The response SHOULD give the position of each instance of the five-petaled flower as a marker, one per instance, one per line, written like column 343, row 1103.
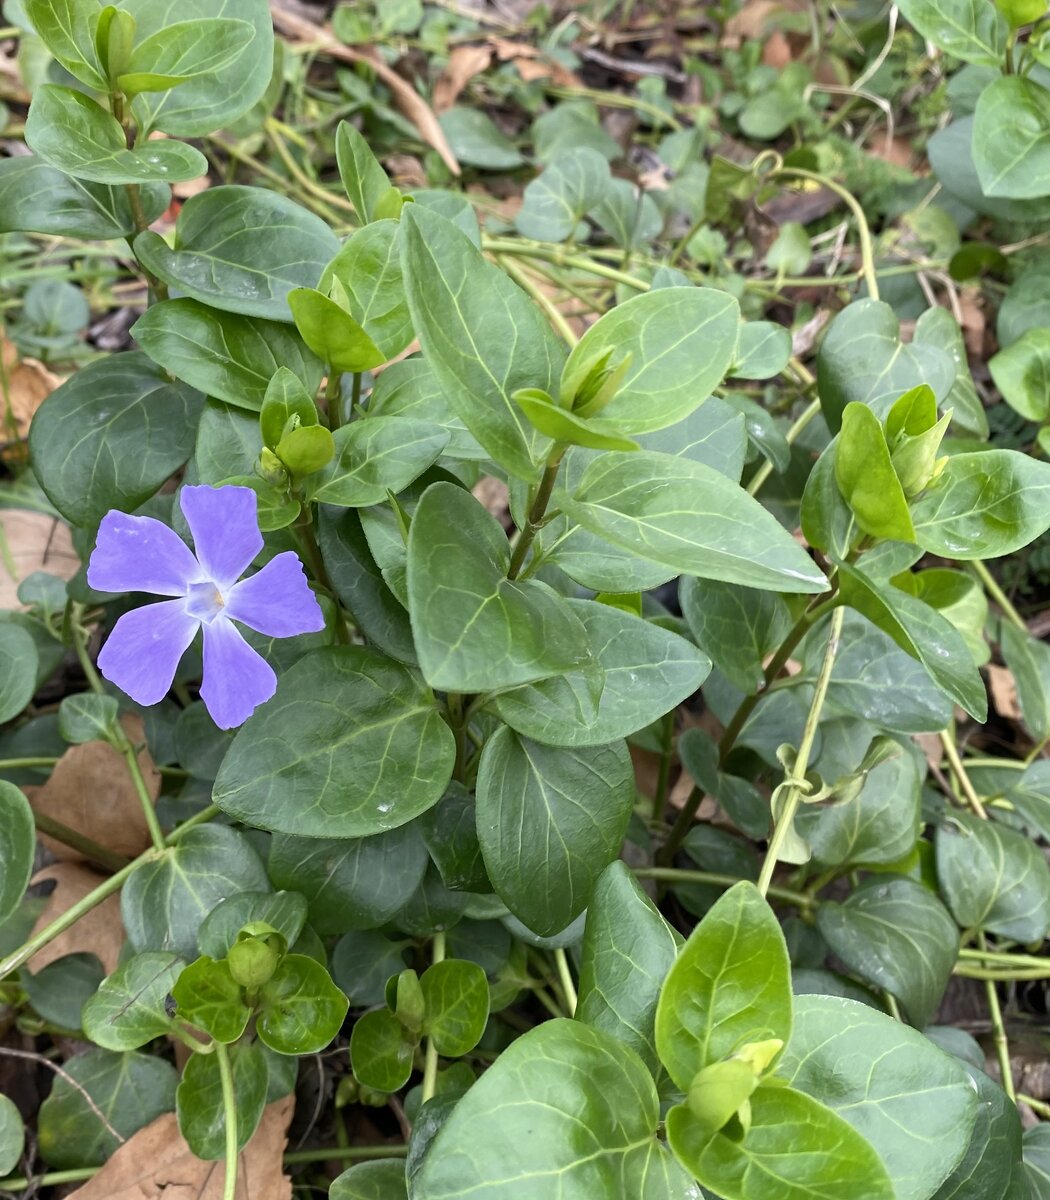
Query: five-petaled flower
column 140, row 554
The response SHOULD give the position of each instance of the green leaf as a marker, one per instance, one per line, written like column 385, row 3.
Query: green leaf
column 730, row 985
column 1028, row 659
column 381, row 1051
column 128, row 1009
column 1036, row 1160
column 199, row 1099
column 1022, row 374
column 19, row 662
column 959, row 597
column 209, row 998
column 687, row 516
column 738, row 627
column 866, row 478
column 549, row 822
column 966, row 29
column 795, row 1149
column 332, row 333
column 896, row 935
column 369, row 269
column 477, row 141
column 283, row 911
column 1010, row 130
column 628, row 948
column 762, row 350
column 993, row 878
column 12, row 1135
column 991, row 1168
column 647, row 671
column 17, row 845
column 65, row 28
column 351, row 883
column 456, row 998
column 374, row 456
column 937, row 327
column 111, row 435
column 363, row 961
column 131, row 1089
column 183, row 51
column 363, row 177
column 554, row 203
column 863, row 359
column 242, row 250
column 910, row 1100
column 564, row 426
column 164, row 902
column 450, row 830
column 409, row 388
column 319, row 759
column 87, row 717
column 228, row 357
column 564, row 1102
column 681, row 342
column 73, row 133
column 381, row 1180
column 984, row 505
column 215, row 100
column 922, row 632
column 481, row 335
column 37, row 198
column 458, row 557
column 628, row 215
column 300, row 1009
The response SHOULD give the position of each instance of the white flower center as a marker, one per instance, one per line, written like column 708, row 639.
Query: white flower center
column 204, row 601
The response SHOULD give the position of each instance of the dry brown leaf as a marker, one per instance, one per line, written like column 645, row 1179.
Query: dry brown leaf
column 91, row 791
column 463, row 64
column 32, row 541
column 24, row 385
column 156, row 1164
column 99, row 931
column 406, row 171
column 777, row 50
column 532, row 64
column 408, row 100
column 1004, row 692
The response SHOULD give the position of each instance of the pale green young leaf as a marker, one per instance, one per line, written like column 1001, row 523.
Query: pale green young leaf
column 128, row 1009
column 363, row 177
column 66, row 28
column 332, row 333
column 185, row 50
column 558, row 423
column 369, row 269
column 456, row 1005
column 300, row 1008
column 866, row 478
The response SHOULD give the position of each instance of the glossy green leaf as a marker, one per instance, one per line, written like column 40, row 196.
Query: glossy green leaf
column 1028, row 659
column 762, row 350
column 450, row 830
column 795, row 1149
column 19, row 662
column 991, row 1168
column 131, row 1089
column 1036, row 1146
column 554, row 203
column 363, row 961
column 208, row 997
column 456, row 1000
column 283, row 911
column 966, row 29
column 681, row 342
column 481, row 335
column 738, row 627
column 183, row 51
column 65, row 28
column 111, row 435
column 458, row 557
column 164, row 902
column 866, row 478
column 229, row 357
column 730, row 985
column 375, row 456
column 993, row 878
column 628, row 948
column 38, row 198
column 12, row 1135
column 332, row 333
column 644, row 672
column 369, row 269
column 72, row 132
column 381, row 1051
column 554, row 422
column 199, row 1100
column 381, row 1180
column 827, row 522
column 352, row 883
column 17, row 846
column 409, row 388
column 959, row 597
column 564, row 1102
column 318, row 760
column 1022, row 374
column 241, row 250
column 1010, row 130
column 896, row 935
column 911, row 1101
column 681, row 513
column 300, row 1009
column 128, row 1009
column 922, row 632
column 363, row 177
column 937, row 327
column 549, row 821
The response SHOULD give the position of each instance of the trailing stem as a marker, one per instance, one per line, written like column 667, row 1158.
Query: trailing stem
column 229, row 1113
column 537, row 511
column 430, row 1062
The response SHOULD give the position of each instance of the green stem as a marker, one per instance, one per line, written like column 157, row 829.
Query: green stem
column 991, row 586
column 80, row 638
column 303, row 528
column 78, row 841
column 430, row 1063
column 123, row 744
column 333, row 397
column 974, row 801
column 555, row 315
column 229, row 1113
column 537, row 511
column 677, row 875
column 522, row 247
column 565, row 976
column 798, row 774
column 1037, row 1106
column 664, row 775
column 355, row 395
column 1002, row 1046
column 766, row 469
column 16, row 764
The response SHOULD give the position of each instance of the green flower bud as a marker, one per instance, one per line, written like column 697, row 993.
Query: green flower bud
column 255, row 955
column 719, row 1092
column 1021, row 12
column 269, row 467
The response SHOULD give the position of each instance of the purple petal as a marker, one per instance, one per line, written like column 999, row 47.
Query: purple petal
column 225, row 526
column 142, row 652
column 139, row 554
column 277, row 601
column 236, row 679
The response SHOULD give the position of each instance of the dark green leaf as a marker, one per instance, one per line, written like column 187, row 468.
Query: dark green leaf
column 1011, row 125
column 283, row 911
column 199, row 1100
column 1028, row 659
column 381, row 1051
column 762, row 350
column 450, row 830
column 363, row 961
column 18, row 669
column 59, row 992
column 382, row 1180
column 738, row 627
column 12, row 1135
column 369, row 269
column 128, row 1009
column 456, row 998
column 374, row 456
column 17, row 846
column 1022, row 374
column 937, row 327
column 300, row 1009
column 1036, row 1147
column 87, row 717
column 476, row 140
column 991, row 1168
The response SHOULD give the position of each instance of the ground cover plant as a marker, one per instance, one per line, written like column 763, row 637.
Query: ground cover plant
column 511, row 518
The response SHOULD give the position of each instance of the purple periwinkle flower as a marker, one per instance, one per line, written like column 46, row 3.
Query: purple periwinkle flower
column 139, row 554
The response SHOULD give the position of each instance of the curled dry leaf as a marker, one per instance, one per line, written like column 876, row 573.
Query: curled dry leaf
column 91, row 791
column 463, row 64
column 99, row 931
column 25, row 384
column 32, row 541
column 532, row 64
column 1004, row 692
column 156, row 1164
